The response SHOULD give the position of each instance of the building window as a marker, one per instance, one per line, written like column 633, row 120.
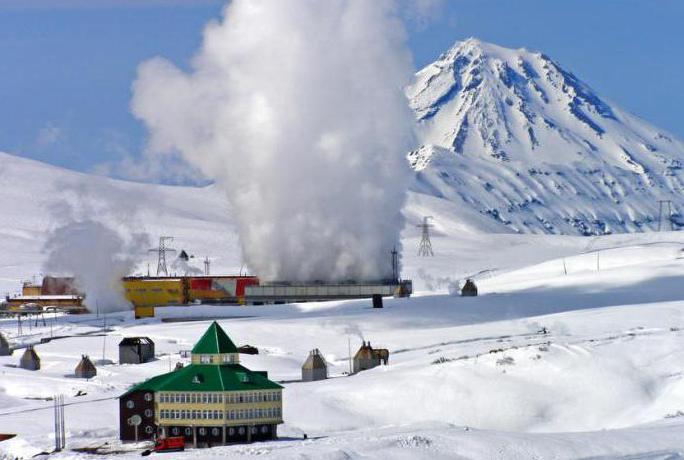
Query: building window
column 205, row 359
column 231, row 415
column 130, row 404
column 149, row 397
column 193, row 398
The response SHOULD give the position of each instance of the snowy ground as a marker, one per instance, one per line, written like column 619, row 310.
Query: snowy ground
column 468, row 378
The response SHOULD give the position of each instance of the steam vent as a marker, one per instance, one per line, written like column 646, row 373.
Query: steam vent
column 212, row 401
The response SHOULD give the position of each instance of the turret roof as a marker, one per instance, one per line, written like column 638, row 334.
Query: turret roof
column 214, row 341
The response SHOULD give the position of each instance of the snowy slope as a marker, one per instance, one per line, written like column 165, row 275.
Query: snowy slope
column 468, row 378
column 522, row 141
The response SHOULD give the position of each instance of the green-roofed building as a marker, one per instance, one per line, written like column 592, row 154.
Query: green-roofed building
column 213, row 401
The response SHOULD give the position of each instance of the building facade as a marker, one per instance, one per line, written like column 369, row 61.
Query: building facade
column 212, row 401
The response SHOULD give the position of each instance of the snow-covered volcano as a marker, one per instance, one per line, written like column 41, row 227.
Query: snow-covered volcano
column 518, row 138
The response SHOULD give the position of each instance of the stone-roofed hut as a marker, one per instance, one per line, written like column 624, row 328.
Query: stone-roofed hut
column 30, row 360
column 85, row 368
column 136, row 350
column 315, row 367
column 212, row 401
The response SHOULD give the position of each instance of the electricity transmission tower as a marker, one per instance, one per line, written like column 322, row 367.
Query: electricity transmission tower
column 662, row 204
column 161, row 255
column 425, row 247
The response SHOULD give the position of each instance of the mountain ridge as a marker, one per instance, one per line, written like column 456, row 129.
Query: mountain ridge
column 518, row 138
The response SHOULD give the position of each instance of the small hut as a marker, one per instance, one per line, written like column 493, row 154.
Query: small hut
column 315, row 367
column 136, row 350
column 367, row 357
column 30, row 360
column 85, row 368
column 5, row 349
column 469, row 289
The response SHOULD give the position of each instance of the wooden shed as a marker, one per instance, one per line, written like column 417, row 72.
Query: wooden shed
column 136, row 350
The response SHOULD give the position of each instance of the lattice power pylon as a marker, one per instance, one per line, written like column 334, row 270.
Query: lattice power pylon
column 161, row 255
column 425, row 247
column 662, row 205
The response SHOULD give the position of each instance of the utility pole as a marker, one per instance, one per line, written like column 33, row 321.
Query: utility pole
column 425, row 247
column 161, row 255
column 662, row 204
column 207, row 263
column 60, row 431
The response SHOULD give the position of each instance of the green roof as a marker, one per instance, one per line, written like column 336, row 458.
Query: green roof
column 214, row 341
column 208, row 377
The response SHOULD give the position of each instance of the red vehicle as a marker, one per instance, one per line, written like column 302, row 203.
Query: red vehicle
column 172, row 444
column 161, row 445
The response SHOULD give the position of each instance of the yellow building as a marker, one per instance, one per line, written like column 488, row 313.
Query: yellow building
column 212, row 401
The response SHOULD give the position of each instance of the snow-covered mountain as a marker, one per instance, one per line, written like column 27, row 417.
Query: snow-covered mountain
column 517, row 138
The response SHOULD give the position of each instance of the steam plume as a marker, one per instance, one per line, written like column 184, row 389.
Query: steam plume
column 97, row 256
column 295, row 107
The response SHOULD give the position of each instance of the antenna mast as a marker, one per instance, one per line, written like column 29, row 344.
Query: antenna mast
column 425, row 247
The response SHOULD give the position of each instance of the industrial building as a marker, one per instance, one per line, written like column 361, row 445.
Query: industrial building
column 212, row 401
column 317, row 292
column 136, row 350
column 315, row 367
column 148, row 293
column 368, row 357
column 60, row 293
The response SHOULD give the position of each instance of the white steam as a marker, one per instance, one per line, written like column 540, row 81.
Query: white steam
column 295, row 107
column 97, row 256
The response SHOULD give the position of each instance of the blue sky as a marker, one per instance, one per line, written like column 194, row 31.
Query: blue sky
column 67, row 65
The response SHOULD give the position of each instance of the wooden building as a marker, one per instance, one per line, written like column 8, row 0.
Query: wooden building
column 368, row 357
column 212, row 401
